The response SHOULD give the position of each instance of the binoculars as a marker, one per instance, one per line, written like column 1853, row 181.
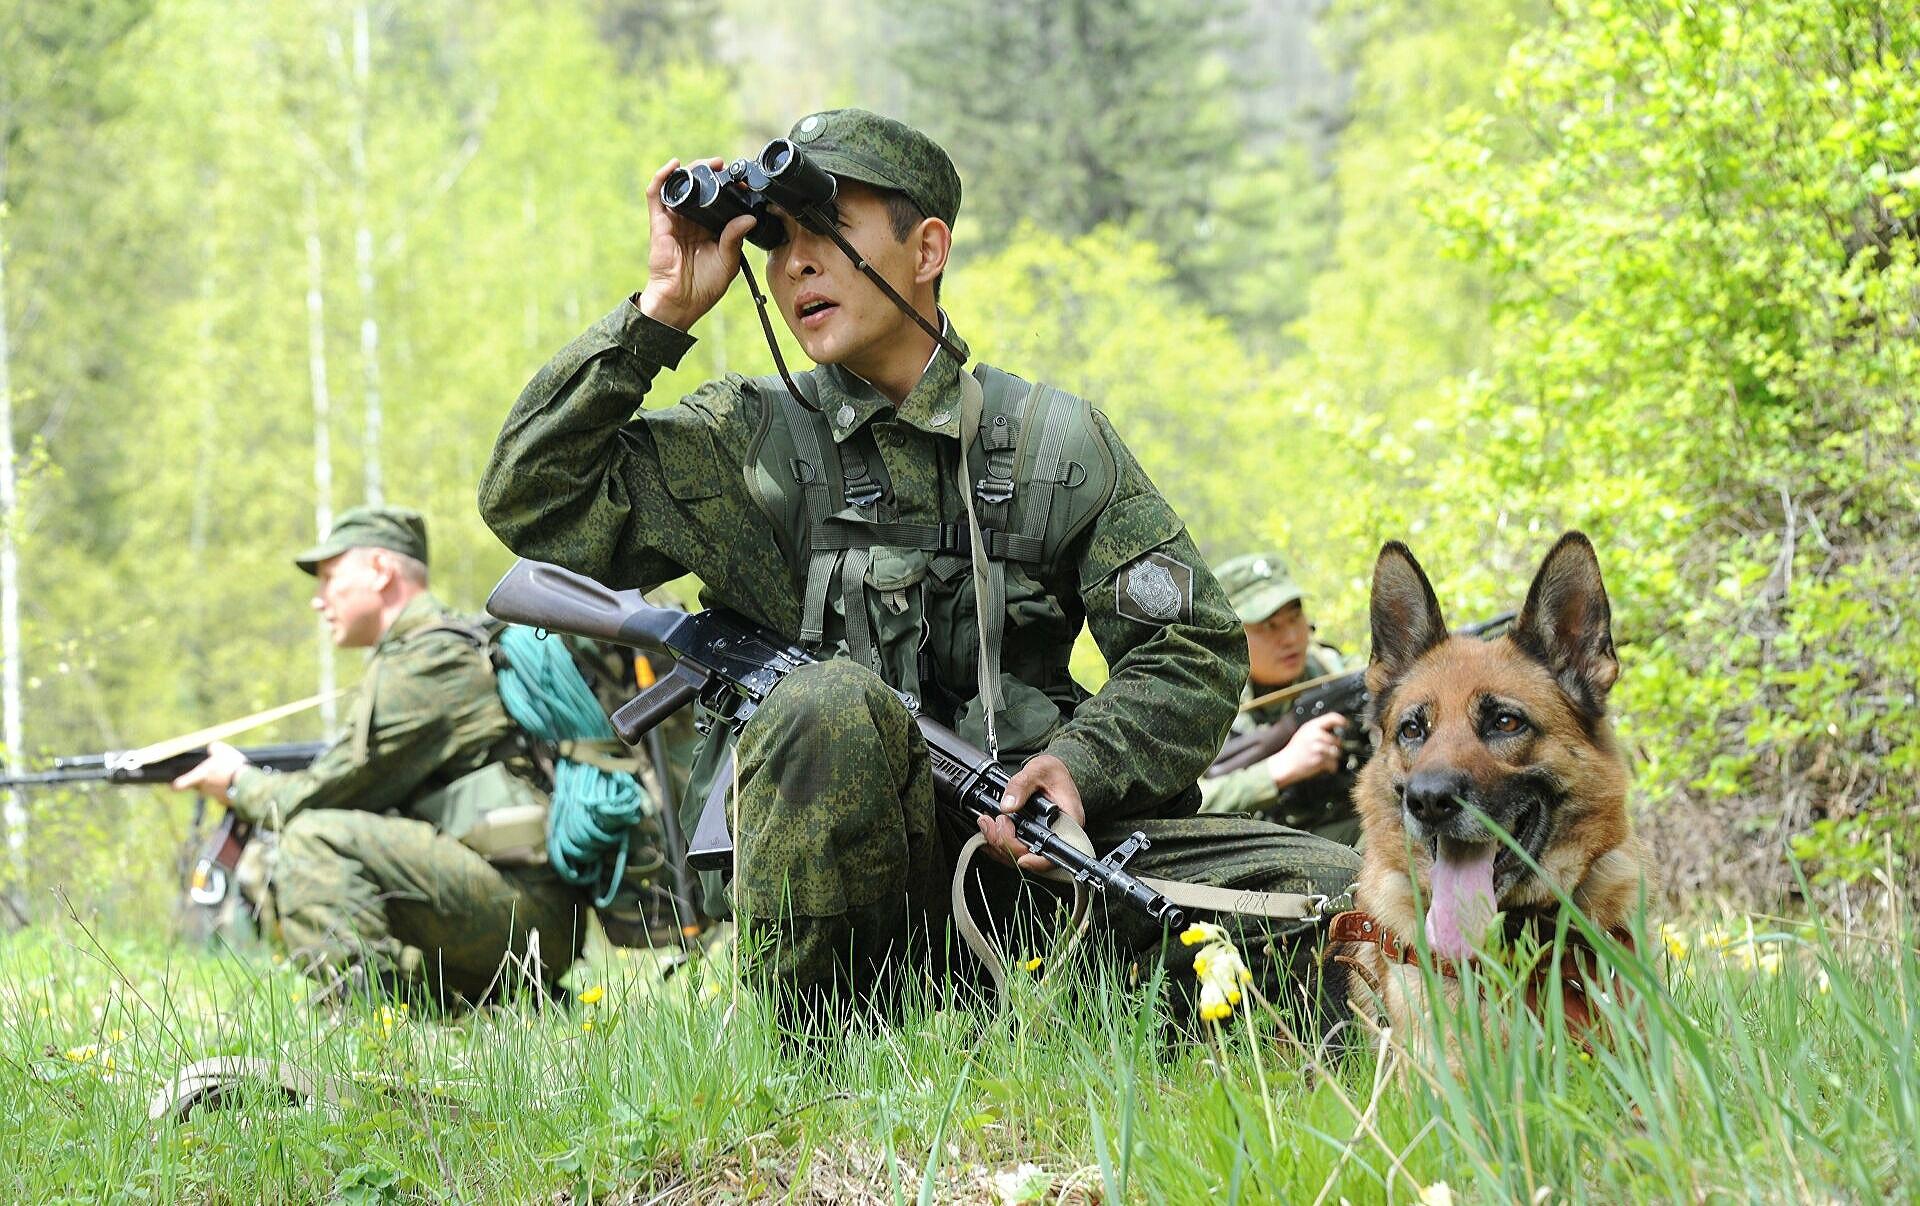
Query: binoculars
column 781, row 174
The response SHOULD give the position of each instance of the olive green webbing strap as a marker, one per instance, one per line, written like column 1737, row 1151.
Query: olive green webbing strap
column 989, row 577
column 853, row 602
column 363, row 717
column 819, row 491
column 1207, row 898
column 1046, row 462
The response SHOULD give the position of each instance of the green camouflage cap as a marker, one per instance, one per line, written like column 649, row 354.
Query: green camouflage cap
column 882, row 152
column 1258, row 585
column 398, row 528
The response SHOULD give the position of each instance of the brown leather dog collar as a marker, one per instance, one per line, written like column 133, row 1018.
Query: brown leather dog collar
column 1578, row 968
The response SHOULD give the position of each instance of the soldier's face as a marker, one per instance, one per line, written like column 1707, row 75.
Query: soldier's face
column 1277, row 646
column 838, row 315
column 348, row 594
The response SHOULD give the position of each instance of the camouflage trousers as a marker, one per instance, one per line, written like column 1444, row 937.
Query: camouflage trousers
column 845, row 857
column 413, row 909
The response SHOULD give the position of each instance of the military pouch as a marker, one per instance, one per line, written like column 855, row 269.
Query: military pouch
column 493, row 812
column 1027, row 718
column 896, row 613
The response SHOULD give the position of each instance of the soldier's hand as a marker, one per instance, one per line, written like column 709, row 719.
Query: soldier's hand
column 1313, row 751
column 1045, row 775
column 688, row 270
column 214, row 776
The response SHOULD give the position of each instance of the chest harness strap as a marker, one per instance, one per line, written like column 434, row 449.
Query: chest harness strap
column 837, row 477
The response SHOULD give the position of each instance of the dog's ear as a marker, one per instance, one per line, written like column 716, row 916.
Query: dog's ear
column 1405, row 614
column 1568, row 624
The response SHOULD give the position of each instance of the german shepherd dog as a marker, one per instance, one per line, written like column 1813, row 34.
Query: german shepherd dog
column 1474, row 733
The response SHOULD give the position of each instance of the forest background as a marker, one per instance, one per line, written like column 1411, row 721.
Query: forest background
column 1464, row 273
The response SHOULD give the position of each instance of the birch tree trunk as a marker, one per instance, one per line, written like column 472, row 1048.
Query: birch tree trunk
column 363, row 254
column 15, row 810
column 322, row 428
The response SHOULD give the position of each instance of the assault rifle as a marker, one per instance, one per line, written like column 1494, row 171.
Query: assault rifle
column 1345, row 694
column 124, row 767
column 730, row 665
column 220, row 853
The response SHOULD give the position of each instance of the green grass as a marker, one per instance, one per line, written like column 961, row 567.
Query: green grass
column 1783, row 1071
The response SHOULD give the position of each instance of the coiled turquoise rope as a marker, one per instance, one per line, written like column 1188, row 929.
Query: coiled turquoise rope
column 594, row 810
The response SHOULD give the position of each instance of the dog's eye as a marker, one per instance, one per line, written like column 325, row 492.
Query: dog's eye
column 1508, row 722
column 1412, row 729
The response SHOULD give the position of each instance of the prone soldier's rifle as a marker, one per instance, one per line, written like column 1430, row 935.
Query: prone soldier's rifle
column 1344, row 694
column 213, row 867
column 730, row 665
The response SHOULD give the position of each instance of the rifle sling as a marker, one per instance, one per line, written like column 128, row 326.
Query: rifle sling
column 1274, row 906
column 1286, row 693
column 173, row 747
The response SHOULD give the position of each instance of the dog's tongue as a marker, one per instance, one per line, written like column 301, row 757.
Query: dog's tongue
column 1462, row 905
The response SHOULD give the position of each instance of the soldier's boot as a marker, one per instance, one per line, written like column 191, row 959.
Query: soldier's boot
column 840, row 866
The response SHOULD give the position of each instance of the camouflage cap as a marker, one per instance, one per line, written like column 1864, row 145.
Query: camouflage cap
column 401, row 529
column 885, row 153
column 1258, row 585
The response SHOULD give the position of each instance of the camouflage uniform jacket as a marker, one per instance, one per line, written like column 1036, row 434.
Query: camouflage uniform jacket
column 1250, row 789
column 580, row 476
column 427, row 713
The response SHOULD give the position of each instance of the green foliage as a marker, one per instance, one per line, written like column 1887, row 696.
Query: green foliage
column 1100, row 315
column 1091, row 113
column 1639, row 267
column 1693, row 230
column 1706, row 304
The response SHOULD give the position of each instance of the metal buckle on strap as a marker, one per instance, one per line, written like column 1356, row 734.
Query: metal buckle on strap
column 864, row 493
column 1320, row 907
column 994, row 490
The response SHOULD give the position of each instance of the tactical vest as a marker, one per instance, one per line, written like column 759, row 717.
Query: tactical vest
column 900, row 597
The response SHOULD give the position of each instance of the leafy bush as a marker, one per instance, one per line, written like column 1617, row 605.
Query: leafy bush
column 1698, row 225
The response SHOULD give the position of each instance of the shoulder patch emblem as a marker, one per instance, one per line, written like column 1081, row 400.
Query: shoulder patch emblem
column 1156, row 589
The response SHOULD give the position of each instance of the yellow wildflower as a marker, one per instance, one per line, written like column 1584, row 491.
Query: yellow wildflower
column 1821, row 982
column 1213, row 1003
column 587, row 1026
column 1676, row 940
column 593, row 996
column 1201, row 931
column 1219, row 968
column 81, row 1055
column 1033, row 964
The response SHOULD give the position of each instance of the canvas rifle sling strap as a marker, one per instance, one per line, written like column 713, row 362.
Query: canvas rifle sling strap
column 1205, row 898
column 995, row 491
column 989, row 576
